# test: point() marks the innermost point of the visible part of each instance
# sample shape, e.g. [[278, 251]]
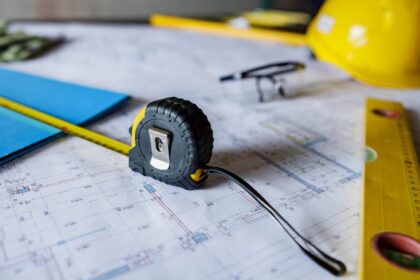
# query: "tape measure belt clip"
[[183, 134]]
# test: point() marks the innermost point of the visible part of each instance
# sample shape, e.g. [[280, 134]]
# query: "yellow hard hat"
[[376, 41]]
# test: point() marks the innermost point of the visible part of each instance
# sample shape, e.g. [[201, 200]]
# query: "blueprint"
[[74, 210]]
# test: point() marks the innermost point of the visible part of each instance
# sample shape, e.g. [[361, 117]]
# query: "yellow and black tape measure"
[[172, 141], [390, 208]]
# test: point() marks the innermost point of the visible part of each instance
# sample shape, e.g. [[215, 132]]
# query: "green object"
[[370, 155], [3, 25], [402, 259], [18, 46]]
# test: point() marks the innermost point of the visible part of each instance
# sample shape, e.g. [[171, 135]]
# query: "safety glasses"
[[268, 79]]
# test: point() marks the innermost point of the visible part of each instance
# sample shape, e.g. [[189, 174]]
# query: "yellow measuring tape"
[[67, 127], [390, 208]]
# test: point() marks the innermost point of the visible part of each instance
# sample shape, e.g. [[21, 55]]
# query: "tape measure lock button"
[[172, 142]]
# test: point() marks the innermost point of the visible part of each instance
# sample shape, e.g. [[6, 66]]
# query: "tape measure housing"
[[189, 137]]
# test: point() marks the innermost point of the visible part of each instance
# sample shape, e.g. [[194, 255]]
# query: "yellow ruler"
[[66, 127], [390, 208], [220, 28]]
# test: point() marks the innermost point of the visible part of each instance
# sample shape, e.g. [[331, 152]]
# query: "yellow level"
[[219, 28], [67, 127], [390, 208]]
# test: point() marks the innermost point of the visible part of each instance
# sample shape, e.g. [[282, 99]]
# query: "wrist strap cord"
[[329, 263]]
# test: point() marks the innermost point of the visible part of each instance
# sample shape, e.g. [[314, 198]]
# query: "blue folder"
[[73, 103]]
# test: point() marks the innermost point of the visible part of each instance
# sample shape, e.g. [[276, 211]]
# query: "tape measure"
[[390, 208], [172, 141]]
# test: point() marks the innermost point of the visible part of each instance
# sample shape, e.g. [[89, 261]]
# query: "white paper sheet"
[[74, 210]]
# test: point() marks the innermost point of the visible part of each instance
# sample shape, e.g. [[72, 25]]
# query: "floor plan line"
[[290, 174]]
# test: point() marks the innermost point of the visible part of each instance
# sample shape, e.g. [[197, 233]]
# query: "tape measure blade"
[[388, 202], [66, 127]]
